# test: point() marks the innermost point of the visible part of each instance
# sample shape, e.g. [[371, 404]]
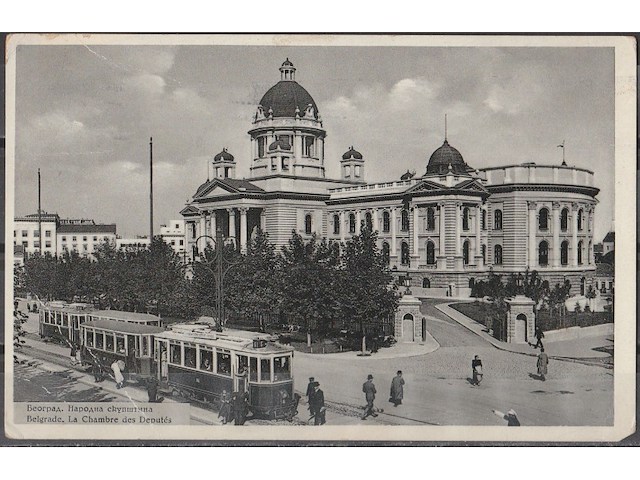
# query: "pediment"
[[189, 210], [426, 186], [472, 185], [215, 188]]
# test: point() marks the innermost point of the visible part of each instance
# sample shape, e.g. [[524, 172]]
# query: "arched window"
[[465, 218], [431, 219], [484, 253], [368, 220], [580, 220], [589, 253], [543, 219], [386, 222], [426, 283], [385, 253], [307, 224], [336, 224], [405, 221], [564, 253], [564, 219], [465, 252], [583, 286], [497, 220], [352, 223], [404, 253], [497, 255], [431, 253], [543, 254], [580, 252], [484, 219]]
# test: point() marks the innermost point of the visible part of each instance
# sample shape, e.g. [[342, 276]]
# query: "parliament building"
[[447, 228]]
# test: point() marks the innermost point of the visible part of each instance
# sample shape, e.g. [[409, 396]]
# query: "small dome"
[[443, 157], [351, 153], [287, 63], [281, 144], [223, 155]]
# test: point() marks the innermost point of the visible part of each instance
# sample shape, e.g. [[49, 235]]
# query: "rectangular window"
[[73, 239], [281, 369], [285, 164], [243, 364], [15, 234], [120, 344], [89, 337], [95, 239], [84, 239], [36, 244], [206, 359], [307, 145], [265, 370], [181, 243], [100, 340], [223, 360], [175, 354], [36, 233], [145, 346], [24, 233], [109, 342], [84, 247], [64, 239], [47, 233], [262, 142], [190, 356], [47, 244], [253, 369], [274, 163]]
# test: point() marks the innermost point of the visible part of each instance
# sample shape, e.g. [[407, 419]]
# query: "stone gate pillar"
[[409, 307], [520, 319]]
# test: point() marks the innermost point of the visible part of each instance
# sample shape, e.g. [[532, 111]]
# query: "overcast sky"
[[85, 114]]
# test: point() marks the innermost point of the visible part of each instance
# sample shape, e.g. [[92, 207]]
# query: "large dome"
[[284, 97], [443, 157]]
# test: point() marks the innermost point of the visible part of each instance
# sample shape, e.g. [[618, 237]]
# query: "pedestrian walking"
[[476, 368], [510, 417], [316, 405], [539, 334], [240, 407], [543, 361], [369, 390], [117, 367], [397, 389], [96, 369], [225, 408], [72, 354], [310, 388]]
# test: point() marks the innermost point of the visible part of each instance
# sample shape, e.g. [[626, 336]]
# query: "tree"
[[536, 289]]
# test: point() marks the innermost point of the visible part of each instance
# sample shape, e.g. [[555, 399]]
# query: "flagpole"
[[150, 190], [39, 215]]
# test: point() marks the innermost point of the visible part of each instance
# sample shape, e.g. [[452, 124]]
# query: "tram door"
[[240, 374]]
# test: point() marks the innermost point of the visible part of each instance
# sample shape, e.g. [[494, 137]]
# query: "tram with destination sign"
[[199, 362]]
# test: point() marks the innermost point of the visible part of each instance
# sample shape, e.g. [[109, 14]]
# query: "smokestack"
[[150, 189]]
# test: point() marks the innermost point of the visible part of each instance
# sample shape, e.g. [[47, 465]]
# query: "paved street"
[[438, 390]]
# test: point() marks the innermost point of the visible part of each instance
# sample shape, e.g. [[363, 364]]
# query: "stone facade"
[[408, 320]]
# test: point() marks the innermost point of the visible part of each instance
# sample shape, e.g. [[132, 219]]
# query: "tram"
[[60, 320], [106, 341], [200, 362]]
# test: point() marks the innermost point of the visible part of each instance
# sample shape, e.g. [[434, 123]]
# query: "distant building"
[[83, 236], [18, 255], [27, 235], [133, 243], [173, 234], [609, 243]]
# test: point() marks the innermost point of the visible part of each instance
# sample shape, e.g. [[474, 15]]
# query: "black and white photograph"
[[320, 237]]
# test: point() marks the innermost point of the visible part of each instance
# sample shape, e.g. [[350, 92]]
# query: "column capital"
[[232, 211], [532, 205], [575, 206], [243, 210], [555, 205], [441, 204]]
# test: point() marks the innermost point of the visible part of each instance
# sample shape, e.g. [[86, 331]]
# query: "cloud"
[[410, 90]]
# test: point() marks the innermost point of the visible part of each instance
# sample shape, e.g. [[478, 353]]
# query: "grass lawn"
[[481, 312]]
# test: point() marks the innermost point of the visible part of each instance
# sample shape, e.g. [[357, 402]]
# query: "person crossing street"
[[369, 390]]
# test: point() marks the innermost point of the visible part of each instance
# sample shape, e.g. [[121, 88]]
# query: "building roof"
[[33, 217], [123, 327], [610, 237], [99, 228], [223, 155], [444, 156], [284, 97], [351, 153], [604, 270]]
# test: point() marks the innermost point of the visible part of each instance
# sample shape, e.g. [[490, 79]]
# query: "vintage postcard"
[[320, 237]]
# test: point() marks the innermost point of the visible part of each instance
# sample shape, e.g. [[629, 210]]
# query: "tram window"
[[253, 369], [224, 363], [58, 319], [190, 356], [281, 368], [132, 348], [120, 344], [89, 337], [145, 346], [175, 355], [265, 370], [206, 360], [243, 364], [109, 342], [99, 340]]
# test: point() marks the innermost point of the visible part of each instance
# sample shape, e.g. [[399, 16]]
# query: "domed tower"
[[352, 166], [287, 137], [446, 163], [224, 165]]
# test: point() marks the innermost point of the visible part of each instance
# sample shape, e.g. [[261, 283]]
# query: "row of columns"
[[555, 250], [207, 226]]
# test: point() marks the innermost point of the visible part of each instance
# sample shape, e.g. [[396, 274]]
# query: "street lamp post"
[[221, 270]]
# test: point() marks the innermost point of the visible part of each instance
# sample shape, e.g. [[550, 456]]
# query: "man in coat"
[[543, 361], [310, 391], [369, 390], [316, 405], [240, 405], [397, 389]]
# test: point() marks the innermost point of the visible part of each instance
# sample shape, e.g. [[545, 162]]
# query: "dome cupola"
[[444, 158], [223, 155], [224, 165], [352, 166], [351, 153]]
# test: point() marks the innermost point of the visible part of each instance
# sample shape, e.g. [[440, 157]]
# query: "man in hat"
[[369, 390], [510, 417], [316, 405], [476, 369]]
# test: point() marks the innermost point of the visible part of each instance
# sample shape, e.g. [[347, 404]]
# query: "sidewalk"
[[581, 349]]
